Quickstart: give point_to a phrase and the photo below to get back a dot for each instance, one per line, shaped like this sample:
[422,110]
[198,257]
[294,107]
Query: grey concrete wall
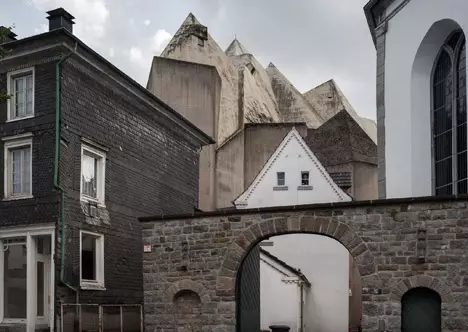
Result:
[365,181]
[261,141]
[230,171]
[194,90]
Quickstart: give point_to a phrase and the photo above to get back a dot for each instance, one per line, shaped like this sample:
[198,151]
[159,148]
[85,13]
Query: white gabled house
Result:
[292,176]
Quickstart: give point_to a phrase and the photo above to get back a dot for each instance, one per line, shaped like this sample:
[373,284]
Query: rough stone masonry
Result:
[400,244]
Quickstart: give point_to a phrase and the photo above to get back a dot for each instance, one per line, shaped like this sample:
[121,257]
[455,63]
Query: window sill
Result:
[90,286]
[19,119]
[17,198]
[305,188]
[280,188]
[89,200]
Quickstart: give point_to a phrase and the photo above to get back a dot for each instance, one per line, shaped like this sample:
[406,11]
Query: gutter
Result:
[56,170]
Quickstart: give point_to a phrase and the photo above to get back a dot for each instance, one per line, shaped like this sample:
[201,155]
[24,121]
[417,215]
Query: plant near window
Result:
[3,34]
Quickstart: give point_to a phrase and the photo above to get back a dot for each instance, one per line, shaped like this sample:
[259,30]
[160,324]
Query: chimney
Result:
[6,35]
[60,18]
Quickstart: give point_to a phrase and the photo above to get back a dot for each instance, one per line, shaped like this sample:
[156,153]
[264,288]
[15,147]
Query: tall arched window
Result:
[449,117]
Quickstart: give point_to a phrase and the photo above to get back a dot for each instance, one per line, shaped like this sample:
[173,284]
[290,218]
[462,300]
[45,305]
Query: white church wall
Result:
[279,301]
[325,263]
[413,41]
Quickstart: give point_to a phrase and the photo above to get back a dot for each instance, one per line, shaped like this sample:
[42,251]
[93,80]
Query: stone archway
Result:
[327,226]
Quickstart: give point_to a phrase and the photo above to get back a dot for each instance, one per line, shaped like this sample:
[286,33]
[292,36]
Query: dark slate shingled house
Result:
[86,150]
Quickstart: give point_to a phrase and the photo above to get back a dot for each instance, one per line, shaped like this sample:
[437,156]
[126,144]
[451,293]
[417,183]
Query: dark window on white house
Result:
[281,178]
[305,178]
[449,118]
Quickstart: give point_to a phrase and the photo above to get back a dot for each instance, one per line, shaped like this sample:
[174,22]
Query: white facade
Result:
[280,295]
[413,40]
[292,157]
[325,263]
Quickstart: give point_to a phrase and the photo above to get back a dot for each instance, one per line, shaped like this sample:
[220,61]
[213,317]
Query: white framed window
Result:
[304,178]
[91,260]
[93,174]
[20,87]
[18,167]
[280,179]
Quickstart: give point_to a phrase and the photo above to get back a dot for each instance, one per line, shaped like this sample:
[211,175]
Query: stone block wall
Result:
[202,254]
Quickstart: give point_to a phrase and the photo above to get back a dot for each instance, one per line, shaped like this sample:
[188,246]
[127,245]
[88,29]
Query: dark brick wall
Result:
[43,208]
[150,169]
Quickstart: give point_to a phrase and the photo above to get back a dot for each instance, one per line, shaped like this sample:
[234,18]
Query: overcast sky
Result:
[310,41]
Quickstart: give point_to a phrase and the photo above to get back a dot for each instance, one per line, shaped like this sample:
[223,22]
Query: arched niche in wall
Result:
[421,310]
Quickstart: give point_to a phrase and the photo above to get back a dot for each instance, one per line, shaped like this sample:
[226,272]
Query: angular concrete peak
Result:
[236,48]
[271,65]
[191,19]
[190,27]
[293,107]
[328,99]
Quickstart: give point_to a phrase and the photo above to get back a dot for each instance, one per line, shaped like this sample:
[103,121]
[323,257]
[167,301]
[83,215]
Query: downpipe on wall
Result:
[58,86]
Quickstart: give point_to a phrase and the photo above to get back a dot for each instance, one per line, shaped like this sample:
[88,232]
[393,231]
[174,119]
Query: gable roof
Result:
[293,134]
[328,99]
[236,48]
[341,140]
[286,266]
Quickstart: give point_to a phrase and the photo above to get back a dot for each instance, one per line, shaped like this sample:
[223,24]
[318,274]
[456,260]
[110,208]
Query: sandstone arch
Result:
[433,283]
[322,225]
[186,285]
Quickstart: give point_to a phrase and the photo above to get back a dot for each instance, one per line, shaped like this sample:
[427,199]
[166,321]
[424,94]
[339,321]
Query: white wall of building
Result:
[413,40]
[325,263]
[292,157]
[279,301]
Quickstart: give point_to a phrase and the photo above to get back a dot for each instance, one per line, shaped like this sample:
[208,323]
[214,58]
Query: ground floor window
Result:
[26,282]
[92,260]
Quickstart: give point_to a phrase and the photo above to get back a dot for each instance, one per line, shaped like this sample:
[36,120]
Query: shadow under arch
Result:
[421,99]
[258,232]
[228,277]
[421,310]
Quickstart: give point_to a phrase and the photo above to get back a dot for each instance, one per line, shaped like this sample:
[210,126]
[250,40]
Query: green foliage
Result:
[3,33]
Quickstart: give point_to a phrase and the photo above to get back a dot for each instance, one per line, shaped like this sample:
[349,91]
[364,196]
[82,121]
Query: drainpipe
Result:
[56,169]
[301,328]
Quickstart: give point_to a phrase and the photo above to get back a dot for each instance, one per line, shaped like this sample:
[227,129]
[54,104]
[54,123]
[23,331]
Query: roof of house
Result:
[341,140]
[328,99]
[83,50]
[285,265]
